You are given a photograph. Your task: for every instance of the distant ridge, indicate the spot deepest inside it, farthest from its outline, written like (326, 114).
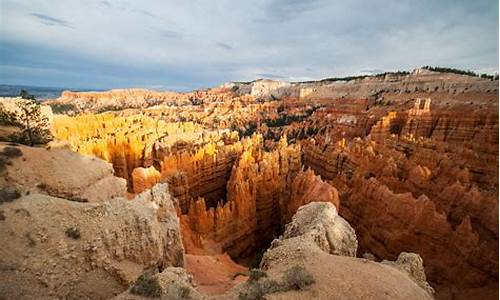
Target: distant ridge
(40, 92)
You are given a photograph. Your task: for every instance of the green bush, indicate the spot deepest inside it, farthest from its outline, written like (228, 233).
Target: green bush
(256, 290)
(256, 274)
(297, 278)
(259, 285)
(61, 108)
(147, 285)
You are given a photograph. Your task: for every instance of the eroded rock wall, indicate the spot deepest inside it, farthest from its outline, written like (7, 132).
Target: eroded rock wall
(65, 249)
(418, 195)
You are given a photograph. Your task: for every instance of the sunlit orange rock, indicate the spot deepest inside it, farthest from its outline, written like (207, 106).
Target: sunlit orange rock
(144, 178)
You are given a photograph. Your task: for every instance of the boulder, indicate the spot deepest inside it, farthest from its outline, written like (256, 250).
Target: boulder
(320, 223)
(413, 265)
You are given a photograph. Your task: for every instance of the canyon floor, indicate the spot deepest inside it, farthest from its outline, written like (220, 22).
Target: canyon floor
(381, 187)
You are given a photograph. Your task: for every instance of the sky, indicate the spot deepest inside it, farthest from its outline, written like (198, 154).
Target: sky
(189, 44)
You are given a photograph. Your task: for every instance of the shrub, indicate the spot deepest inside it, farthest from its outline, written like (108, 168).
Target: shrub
(33, 125)
(41, 185)
(147, 285)
(61, 108)
(258, 285)
(297, 278)
(7, 118)
(176, 291)
(258, 289)
(12, 152)
(256, 274)
(8, 194)
(184, 292)
(73, 233)
(269, 286)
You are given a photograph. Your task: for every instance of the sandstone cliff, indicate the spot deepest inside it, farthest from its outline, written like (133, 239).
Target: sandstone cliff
(59, 248)
(421, 193)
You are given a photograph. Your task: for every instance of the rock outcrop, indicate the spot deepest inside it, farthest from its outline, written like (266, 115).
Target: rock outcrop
(256, 192)
(61, 173)
(53, 247)
(308, 187)
(144, 178)
(413, 265)
(319, 223)
(317, 231)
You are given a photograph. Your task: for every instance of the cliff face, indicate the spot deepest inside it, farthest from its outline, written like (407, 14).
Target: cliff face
(126, 142)
(133, 98)
(423, 198)
(256, 196)
(458, 253)
(308, 187)
(418, 81)
(228, 190)
(423, 81)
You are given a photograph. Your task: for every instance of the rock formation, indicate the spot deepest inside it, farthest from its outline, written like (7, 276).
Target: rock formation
(316, 233)
(144, 178)
(256, 193)
(319, 223)
(61, 173)
(65, 249)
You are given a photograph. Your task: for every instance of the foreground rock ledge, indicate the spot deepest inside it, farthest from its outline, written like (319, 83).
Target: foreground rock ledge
(57, 248)
(316, 231)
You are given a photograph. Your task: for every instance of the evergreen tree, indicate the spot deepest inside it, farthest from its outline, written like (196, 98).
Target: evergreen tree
(34, 125)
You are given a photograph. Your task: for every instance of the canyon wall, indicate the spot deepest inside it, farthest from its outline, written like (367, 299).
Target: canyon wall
(410, 160)
(418, 195)
(258, 202)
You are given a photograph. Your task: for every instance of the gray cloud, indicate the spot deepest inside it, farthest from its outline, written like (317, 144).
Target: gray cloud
(224, 46)
(51, 21)
(270, 76)
(171, 34)
(200, 43)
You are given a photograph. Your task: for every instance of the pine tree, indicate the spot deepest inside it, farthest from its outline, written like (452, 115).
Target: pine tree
(35, 126)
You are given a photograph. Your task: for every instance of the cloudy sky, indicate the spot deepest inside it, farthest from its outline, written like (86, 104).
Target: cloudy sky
(189, 44)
